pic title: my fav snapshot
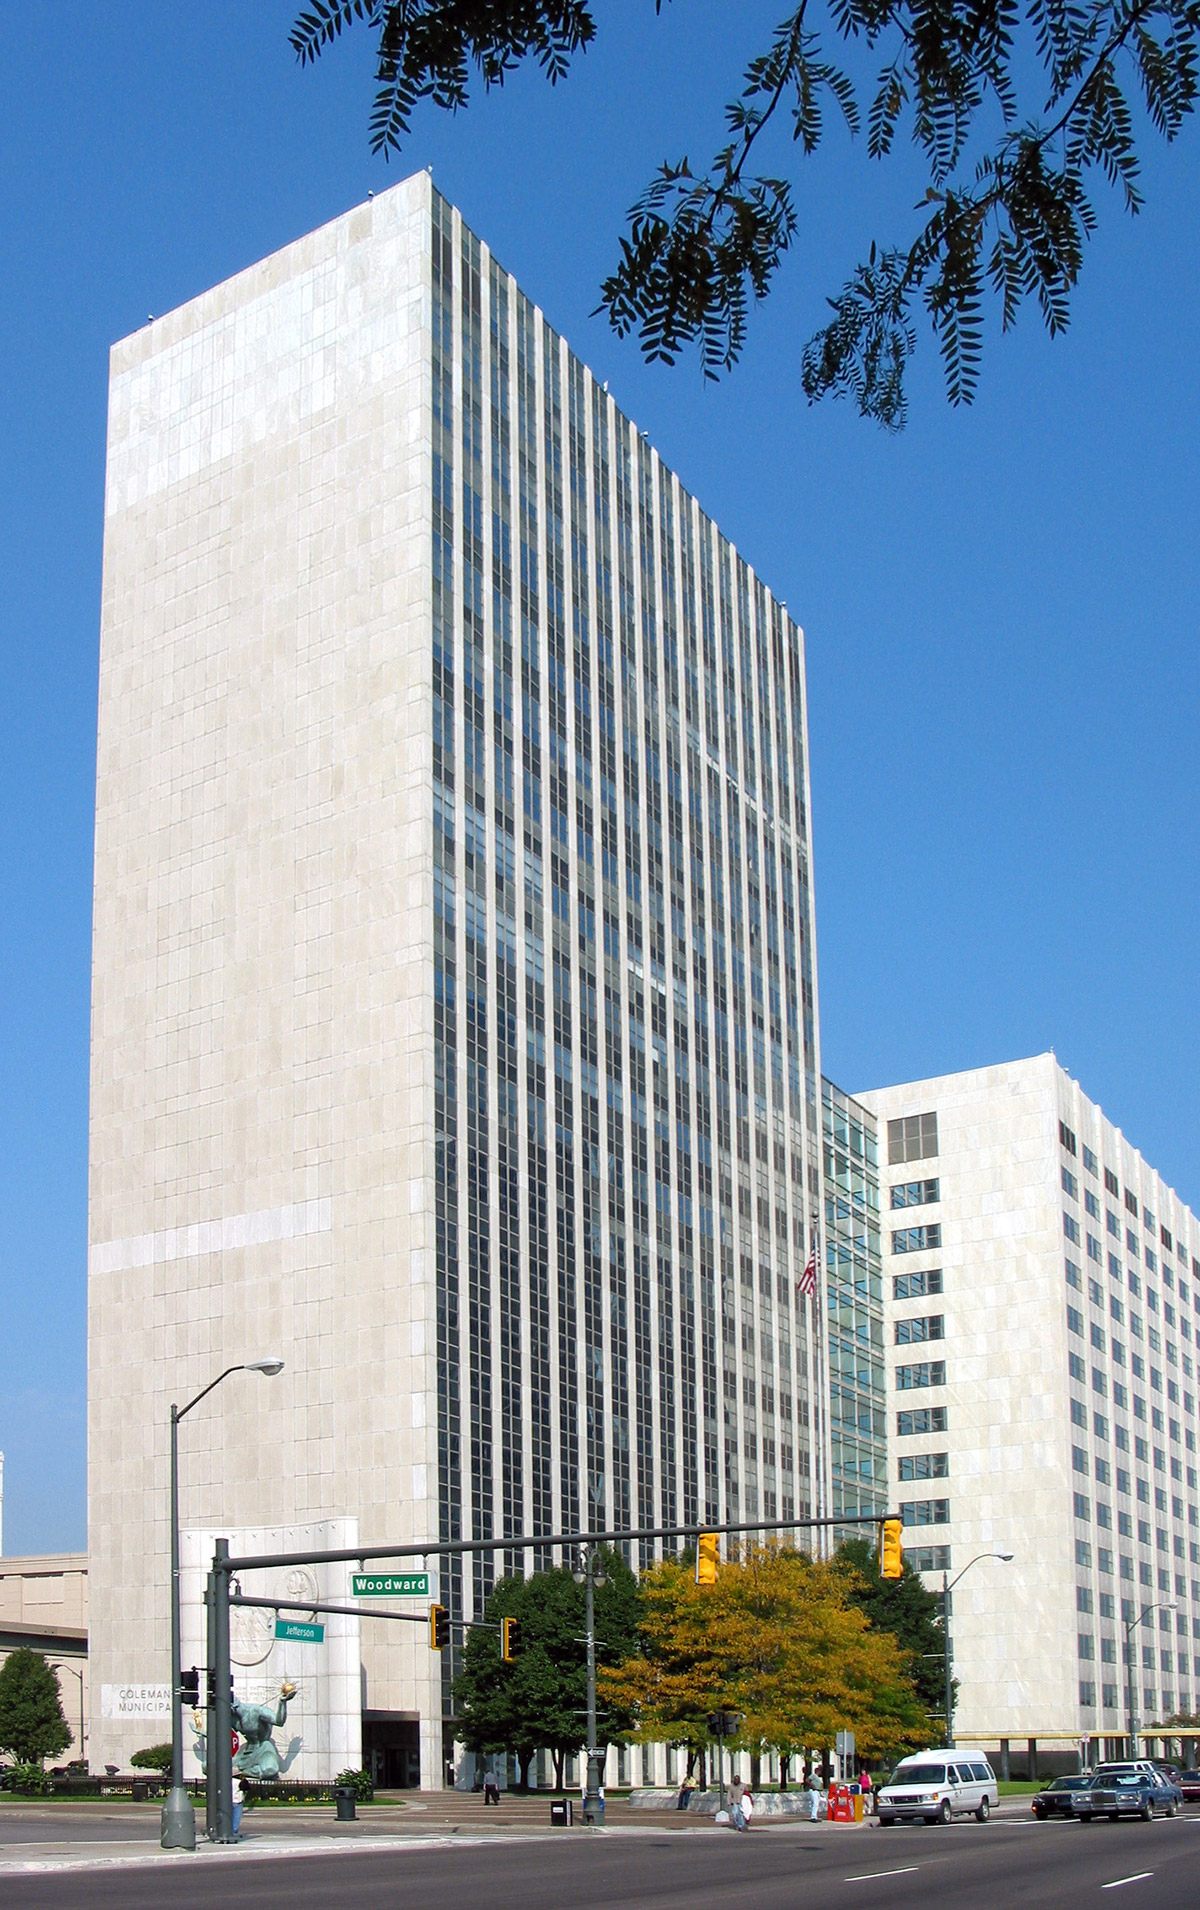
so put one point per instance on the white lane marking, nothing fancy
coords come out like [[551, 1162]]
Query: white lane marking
[[1137, 1877], [869, 1876]]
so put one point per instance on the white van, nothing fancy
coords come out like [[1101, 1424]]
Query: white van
[[935, 1786]]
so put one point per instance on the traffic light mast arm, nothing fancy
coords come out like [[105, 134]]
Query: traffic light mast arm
[[527, 1541]]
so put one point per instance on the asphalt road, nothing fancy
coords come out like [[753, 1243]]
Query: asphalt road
[[964, 1867]]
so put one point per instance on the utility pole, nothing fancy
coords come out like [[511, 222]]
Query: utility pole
[[591, 1795], [220, 1744], [948, 1585], [1131, 1625], [178, 1815], [946, 1660]]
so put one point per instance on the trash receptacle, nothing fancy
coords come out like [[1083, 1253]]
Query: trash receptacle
[[141, 1789], [345, 1803], [561, 1811]]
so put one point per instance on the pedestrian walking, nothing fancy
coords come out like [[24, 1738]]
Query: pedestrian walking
[[747, 1810], [812, 1791], [491, 1790], [736, 1789], [239, 1804]]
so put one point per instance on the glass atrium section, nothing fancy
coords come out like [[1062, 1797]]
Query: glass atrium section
[[854, 1283]]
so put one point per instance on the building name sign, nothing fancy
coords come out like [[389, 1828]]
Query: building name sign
[[135, 1701]]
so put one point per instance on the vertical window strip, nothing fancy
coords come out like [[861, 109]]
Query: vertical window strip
[[475, 913], [448, 1353]]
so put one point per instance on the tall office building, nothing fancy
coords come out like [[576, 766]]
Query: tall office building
[[1042, 1298], [855, 1311], [455, 997]]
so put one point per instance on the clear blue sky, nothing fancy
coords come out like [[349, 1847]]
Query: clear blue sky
[[1000, 606]]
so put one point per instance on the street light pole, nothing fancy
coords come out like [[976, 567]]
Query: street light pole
[[178, 1816], [75, 1674], [1131, 1625], [948, 1585]]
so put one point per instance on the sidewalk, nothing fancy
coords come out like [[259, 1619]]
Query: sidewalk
[[39, 1838]]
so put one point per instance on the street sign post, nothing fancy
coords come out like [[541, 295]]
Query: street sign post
[[390, 1584], [297, 1628]]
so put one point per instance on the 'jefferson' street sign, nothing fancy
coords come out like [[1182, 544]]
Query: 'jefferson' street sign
[[307, 1633]]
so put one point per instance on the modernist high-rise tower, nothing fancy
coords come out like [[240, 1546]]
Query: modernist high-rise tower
[[455, 1000], [1042, 1326]]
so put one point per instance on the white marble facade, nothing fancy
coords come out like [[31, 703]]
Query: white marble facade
[[262, 1045], [1068, 1329]]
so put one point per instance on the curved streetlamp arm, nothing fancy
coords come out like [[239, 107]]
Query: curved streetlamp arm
[[181, 1411], [1006, 1556], [1146, 1611]]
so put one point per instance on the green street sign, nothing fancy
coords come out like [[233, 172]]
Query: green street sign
[[390, 1584], [301, 1629]]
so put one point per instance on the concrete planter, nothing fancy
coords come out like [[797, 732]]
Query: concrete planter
[[708, 1803]]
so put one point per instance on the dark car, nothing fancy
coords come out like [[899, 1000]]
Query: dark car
[[1128, 1793], [1055, 1800], [1189, 1784], [1172, 1775]]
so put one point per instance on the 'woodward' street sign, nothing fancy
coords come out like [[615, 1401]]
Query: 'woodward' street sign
[[300, 1628], [390, 1584]]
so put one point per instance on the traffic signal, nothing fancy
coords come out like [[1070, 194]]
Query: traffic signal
[[439, 1627], [510, 1639], [706, 1558], [212, 1687], [189, 1686], [891, 1558]]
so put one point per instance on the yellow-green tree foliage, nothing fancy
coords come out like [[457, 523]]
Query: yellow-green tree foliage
[[775, 1638]]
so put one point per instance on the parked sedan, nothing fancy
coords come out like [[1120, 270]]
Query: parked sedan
[[1055, 1800], [1127, 1794]]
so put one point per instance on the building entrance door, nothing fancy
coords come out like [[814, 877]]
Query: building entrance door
[[392, 1750]]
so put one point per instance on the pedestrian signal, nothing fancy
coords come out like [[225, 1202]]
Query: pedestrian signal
[[706, 1558], [439, 1627], [189, 1686], [510, 1638], [891, 1558]]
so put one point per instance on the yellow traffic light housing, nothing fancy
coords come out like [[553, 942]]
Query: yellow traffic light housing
[[510, 1638], [891, 1555], [707, 1558], [439, 1627]]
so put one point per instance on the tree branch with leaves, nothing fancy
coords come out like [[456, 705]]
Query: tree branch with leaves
[[1006, 211]]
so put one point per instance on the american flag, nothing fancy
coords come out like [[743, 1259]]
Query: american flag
[[807, 1283]]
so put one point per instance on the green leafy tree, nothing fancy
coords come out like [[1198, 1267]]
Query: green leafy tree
[[1014, 110], [903, 1607], [154, 1757], [777, 1639], [539, 1702], [32, 1725]]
